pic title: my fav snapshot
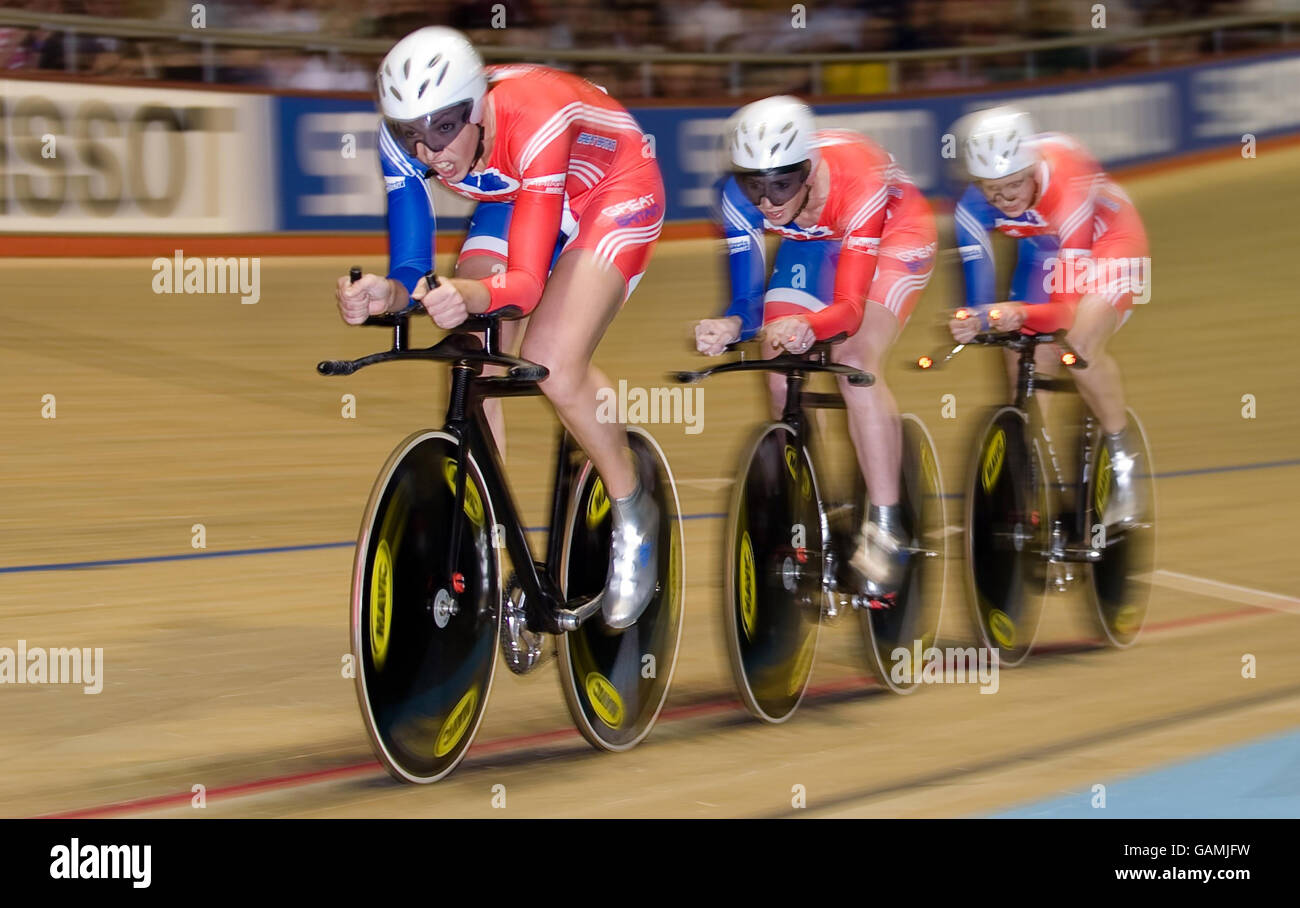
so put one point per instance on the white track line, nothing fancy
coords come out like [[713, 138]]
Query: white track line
[[1186, 583], [715, 483]]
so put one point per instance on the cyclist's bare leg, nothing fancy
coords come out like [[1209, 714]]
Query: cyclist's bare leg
[[1099, 384], [477, 267], [874, 424], [581, 298]]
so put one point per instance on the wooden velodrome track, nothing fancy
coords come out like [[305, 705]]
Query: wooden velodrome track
[[225, 671]]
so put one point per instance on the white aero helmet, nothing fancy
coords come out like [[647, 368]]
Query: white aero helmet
[[428, 70], [772, 133], [997, 144]]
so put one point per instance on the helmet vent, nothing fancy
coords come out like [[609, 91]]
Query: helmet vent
[[433, 62], [442, 75], [423, 86], [406, 69]]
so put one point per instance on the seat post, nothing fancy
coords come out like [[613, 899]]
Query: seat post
[[1025, 380]]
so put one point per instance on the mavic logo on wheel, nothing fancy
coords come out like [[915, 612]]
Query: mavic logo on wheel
[[597, 505], [605, 701], [473, 503], [792, 462], [1002, 628], [748, 594], [802, 665], [1127, 620], [381, 603], [928, 471], [1102, 494], [456, 723], [991, 467]]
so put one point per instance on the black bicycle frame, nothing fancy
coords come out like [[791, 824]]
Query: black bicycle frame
[[466, 423], [1028, 383]]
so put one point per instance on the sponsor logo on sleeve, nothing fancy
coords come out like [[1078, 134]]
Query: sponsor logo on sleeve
[[392, 184], [867, 244], [736, 244], [602, 142], [551, 183]]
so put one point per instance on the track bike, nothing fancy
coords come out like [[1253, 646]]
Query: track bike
[[1033, 526], [789, 538], [429, 608]]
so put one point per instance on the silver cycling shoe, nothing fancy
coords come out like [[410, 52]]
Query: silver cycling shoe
[[634, 560]]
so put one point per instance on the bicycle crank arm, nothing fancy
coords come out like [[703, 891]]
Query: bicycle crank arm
[[572, 619]]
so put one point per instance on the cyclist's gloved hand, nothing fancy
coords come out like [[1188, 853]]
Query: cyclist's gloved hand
[[361, 299], [713, 334]]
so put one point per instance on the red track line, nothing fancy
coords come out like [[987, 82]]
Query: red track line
[[519, 742]]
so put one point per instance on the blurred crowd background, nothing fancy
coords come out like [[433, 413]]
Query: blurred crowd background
[[620, 26]]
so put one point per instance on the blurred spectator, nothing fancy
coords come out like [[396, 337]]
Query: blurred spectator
[[611, 26]]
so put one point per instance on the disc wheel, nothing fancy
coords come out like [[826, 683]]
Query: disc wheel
[[615, 682], [772, 609], [1006, 535], [898, 635], [1119, 585], [425, 652]]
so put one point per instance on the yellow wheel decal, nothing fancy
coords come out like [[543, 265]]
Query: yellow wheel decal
[[597, 504], [792, 462], [747, 587], [1002, 628], [1102, 495], [1126, 620], [456, 723], [929, 472], [473, 503], [381, 603], [605, 701], [802, 665], [674, 567], [991, 466]]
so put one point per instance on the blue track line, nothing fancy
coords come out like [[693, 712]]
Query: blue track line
[[273, 550], [1260, 779]]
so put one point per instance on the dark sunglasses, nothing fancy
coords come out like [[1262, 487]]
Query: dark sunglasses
[[436, 130], [778, 185]]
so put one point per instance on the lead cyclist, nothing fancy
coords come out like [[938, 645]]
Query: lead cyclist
[[857, 249], [570, 206]]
